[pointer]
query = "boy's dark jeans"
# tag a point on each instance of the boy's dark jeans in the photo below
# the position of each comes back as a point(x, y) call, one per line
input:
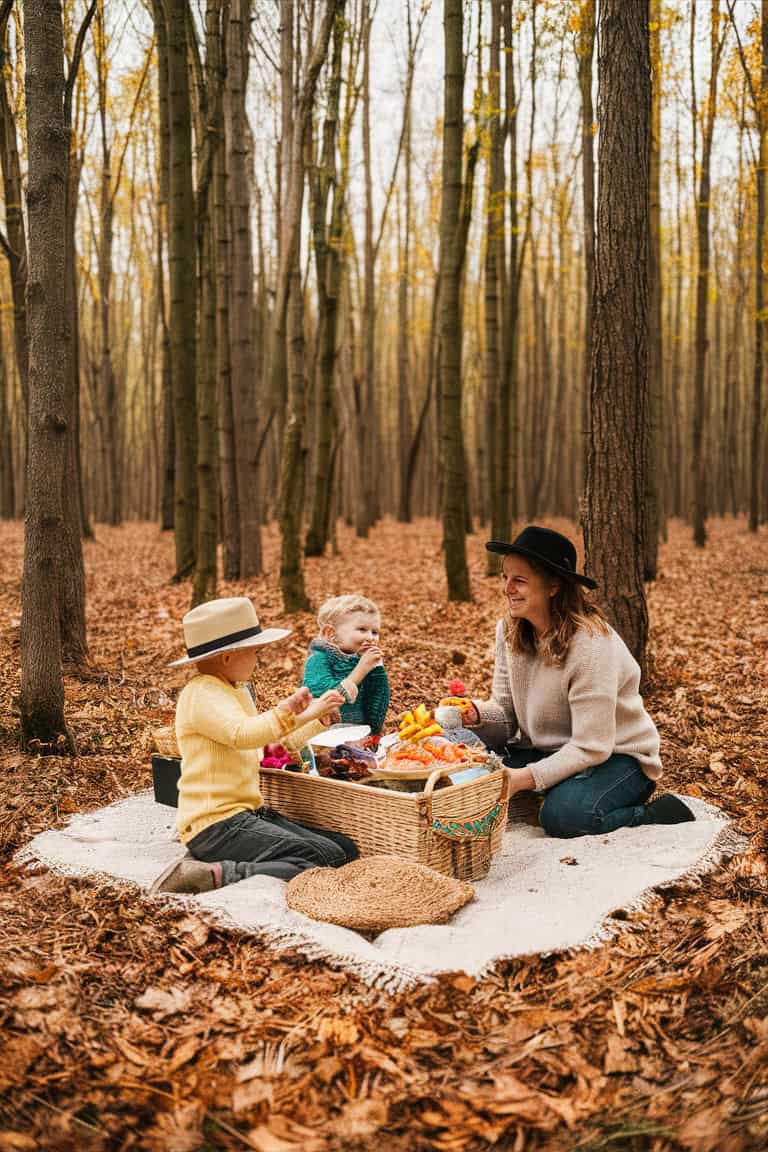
point(600, 799)
point(264, 843)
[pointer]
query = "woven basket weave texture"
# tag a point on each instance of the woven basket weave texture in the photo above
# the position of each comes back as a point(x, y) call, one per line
point(387, 822)
point(377, 893)
point(396, 823)
point(164, 741)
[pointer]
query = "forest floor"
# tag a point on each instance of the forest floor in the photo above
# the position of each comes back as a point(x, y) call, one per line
point(125, 1025)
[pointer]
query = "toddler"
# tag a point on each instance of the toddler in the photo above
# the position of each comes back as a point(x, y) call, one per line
point(222, 818)
point(345, 656)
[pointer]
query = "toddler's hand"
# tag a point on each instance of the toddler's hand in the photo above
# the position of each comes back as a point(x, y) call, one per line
point(370, 658)
point(319, 707)
point(297, 701)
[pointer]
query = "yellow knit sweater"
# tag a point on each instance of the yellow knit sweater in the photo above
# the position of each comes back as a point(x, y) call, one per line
point(221, 736)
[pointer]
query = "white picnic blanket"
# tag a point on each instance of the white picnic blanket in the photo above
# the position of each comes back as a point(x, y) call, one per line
point(541, 895)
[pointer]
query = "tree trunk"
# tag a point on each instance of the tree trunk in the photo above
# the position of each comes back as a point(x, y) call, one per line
point(14, 216)
point(212, 384)
point(108, 385)
point(247, 375)
point(654, 469)
point(585, 50)
point(42, 686)
point(167, 500)
point(506, 508)
point(74, 648)
point(404, 510)
point(677, 396)
point(619, 383)
point(183, 285)
point(7, 484)
point(699, 479)
point(451, 260)
point(494, 285)
point(760, 317)
point(367, 497)
point(228, 409)
point(289, 358)
point(327, 245)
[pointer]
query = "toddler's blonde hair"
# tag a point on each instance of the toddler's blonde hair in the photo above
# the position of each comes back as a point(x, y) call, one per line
point(337, 607)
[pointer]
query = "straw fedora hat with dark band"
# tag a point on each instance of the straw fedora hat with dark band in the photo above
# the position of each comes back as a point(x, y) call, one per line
point(220, 626)
point(544, 546)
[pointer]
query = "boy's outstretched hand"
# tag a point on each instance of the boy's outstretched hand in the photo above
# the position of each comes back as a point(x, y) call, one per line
point(297, 701)
point(319, 707)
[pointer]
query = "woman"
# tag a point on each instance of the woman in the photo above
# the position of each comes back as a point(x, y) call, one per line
point(570, 685)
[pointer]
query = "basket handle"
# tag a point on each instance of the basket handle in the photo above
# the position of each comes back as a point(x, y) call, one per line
point(446, 770)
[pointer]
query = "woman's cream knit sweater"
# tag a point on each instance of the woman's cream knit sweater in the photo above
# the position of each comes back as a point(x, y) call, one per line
point(582, 711)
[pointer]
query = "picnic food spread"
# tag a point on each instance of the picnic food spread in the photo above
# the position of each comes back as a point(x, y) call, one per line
point(419, 747)
point(418, 725)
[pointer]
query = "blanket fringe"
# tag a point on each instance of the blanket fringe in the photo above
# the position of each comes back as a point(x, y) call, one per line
point(388, 976)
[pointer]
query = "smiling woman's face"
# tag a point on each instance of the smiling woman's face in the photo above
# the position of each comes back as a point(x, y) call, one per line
point(529, 592)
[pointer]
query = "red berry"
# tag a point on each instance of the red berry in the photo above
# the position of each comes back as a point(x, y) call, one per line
point(456, 688)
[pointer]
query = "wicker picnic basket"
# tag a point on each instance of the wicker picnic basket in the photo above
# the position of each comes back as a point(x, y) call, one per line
point(455, 830)
point(164, 741)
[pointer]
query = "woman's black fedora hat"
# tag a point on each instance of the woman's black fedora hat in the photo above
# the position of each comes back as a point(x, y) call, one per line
point(544, 546)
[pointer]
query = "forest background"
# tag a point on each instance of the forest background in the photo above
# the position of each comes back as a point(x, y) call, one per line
point(279, 279)
point(299, 285)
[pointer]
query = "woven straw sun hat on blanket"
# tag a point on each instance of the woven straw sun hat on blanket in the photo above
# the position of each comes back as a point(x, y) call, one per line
point(376, 893)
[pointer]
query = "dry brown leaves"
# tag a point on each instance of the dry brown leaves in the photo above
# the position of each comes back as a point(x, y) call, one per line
point(128, 1028)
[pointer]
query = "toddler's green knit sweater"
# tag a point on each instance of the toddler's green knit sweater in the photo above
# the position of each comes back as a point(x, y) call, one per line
point(327, 666)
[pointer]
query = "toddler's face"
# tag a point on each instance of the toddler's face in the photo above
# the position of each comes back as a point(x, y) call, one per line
point(357, 631)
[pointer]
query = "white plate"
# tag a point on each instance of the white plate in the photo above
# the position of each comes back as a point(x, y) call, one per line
point(343, 734)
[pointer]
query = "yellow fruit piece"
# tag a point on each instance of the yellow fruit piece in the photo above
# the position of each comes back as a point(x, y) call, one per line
point(408, 731)
point(408, 718)
point(428, 730)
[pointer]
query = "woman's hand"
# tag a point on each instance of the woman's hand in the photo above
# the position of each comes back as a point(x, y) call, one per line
point(321, 706)
point(470, 715)
point(297, 701)
point(521, 780)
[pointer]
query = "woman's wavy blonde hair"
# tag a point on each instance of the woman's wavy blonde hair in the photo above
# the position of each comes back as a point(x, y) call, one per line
point(572, 608)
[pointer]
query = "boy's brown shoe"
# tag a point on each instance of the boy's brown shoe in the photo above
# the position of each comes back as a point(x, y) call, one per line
point(188, 875)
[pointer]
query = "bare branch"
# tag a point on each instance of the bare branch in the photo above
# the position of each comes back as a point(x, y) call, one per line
point(742, 57)
point(8, 251)
point(75, 65)
point(132, 119)
point(411, 67)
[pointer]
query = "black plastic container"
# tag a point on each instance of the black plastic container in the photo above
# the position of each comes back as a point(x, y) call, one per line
point(166, 771)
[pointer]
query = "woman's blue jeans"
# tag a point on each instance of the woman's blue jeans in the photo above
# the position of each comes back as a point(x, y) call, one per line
point(600, 799)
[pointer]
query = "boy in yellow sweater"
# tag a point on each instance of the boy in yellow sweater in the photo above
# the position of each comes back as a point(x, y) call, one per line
point(222, 819)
